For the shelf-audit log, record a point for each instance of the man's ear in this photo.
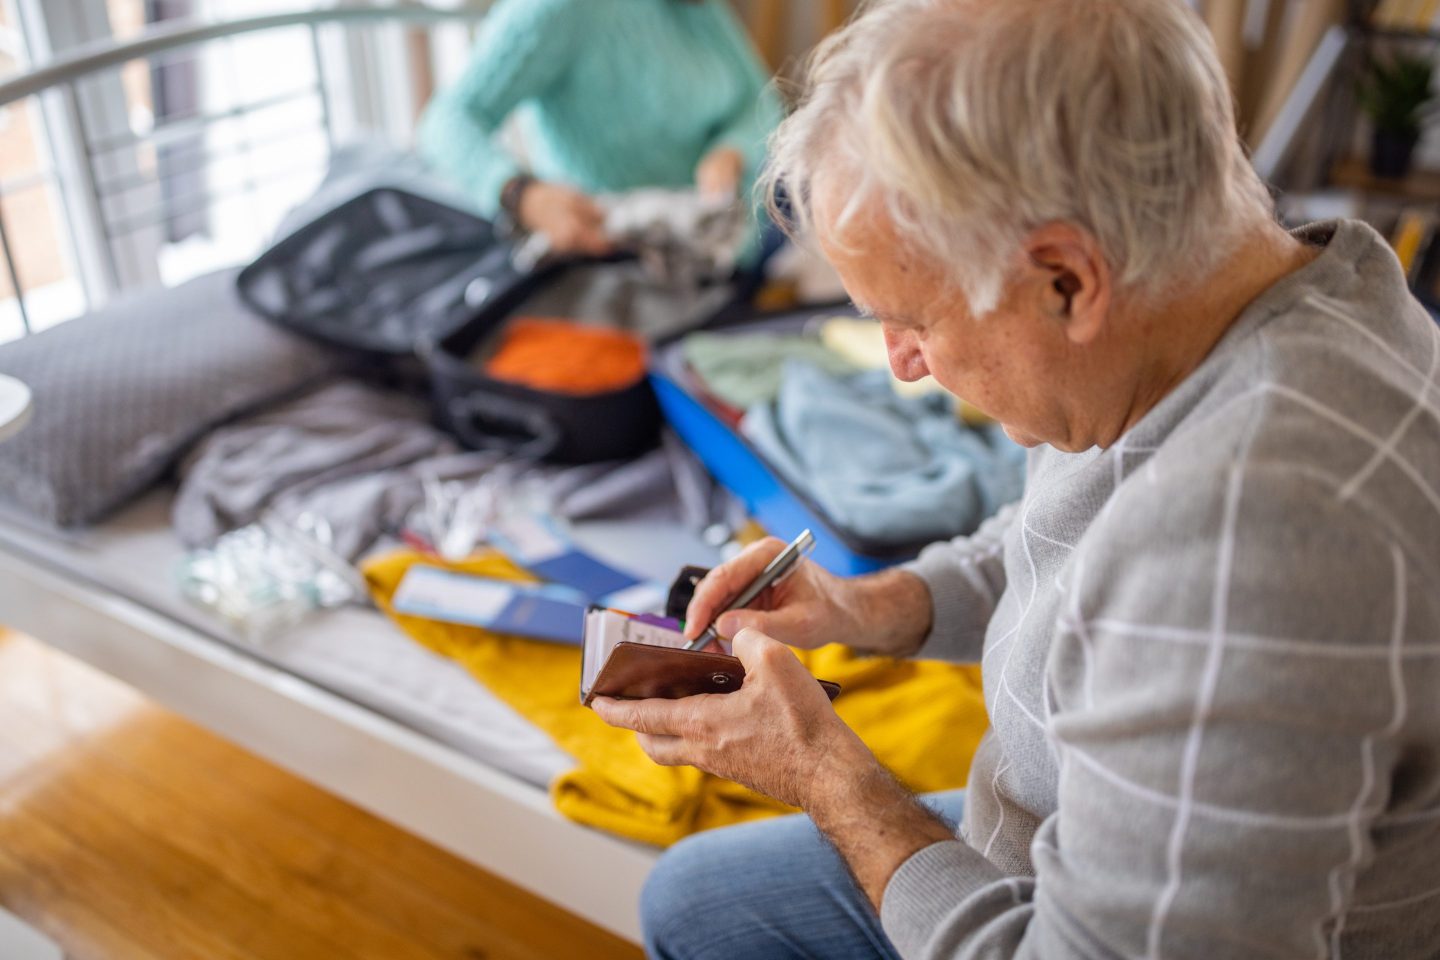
(1074, 279)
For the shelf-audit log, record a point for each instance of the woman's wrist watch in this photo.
(508, 222)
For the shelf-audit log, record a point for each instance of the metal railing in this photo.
(102, 205)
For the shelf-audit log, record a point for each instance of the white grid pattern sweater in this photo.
(1212, 659)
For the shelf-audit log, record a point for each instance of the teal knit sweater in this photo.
(616, 94)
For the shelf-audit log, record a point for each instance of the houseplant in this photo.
(1396, 94)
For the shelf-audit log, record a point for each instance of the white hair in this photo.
(976, 121)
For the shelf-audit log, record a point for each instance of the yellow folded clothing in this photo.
(922, 719)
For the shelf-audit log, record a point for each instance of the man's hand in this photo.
(777, 734)
(571, 221)
(719, 171)
(887, 613)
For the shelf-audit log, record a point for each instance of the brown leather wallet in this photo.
(638, 671)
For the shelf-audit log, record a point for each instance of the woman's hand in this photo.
(719, 173)
(886, 613)
(571, 221)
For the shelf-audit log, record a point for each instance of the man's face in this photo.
(1010, 364)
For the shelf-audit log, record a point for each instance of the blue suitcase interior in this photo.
(773, 501)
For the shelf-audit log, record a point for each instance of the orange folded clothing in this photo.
(565, 357)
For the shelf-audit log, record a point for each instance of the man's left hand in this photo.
(777, 734)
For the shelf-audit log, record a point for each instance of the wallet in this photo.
(632, 657)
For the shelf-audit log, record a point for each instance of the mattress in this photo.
(352, 652)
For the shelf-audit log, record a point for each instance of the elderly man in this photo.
(1210, 632)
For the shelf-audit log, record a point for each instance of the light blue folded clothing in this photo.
(886, 468)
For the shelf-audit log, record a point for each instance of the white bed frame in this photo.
(493, 820)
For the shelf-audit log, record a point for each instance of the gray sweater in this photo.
(1212, 659)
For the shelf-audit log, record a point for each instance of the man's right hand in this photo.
(571, 221)
(887, 613)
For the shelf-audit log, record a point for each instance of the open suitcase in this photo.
(406, 282)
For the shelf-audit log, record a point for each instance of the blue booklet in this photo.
(536, 543)
(539, 611)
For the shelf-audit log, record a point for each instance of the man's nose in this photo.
(906, 360)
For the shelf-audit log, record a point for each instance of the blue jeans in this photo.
(764, 891)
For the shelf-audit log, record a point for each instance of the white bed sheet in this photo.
(353, 652)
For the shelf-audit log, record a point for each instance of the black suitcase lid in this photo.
(381, 272)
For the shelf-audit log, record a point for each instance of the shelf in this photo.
(1401, 33)
(1421, 186)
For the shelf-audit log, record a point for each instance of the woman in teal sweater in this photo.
(615, 95)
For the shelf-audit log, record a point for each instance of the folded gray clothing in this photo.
(331, 453)
(702, 502)
(681, 236)
(667, 482)
(358, 458)
(612, 488)
(886, 468)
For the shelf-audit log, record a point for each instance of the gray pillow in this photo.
(120, 393)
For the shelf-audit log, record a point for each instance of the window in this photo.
(161, 169)
(31, 216)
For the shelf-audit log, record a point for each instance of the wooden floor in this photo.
(127, 832)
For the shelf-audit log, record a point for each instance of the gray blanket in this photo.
(358, 458)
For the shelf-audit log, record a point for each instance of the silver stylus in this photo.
(783, 563)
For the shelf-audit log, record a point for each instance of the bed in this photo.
(344, 699)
